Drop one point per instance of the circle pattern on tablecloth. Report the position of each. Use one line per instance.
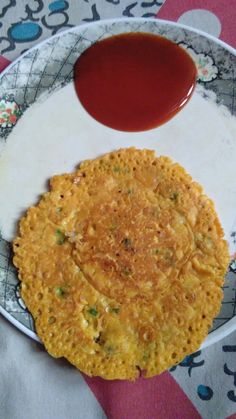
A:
(203, 20)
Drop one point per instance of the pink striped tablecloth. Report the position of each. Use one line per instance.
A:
(32, 384)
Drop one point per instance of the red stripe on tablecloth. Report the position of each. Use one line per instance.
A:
(159, 397)
(172, 10)
(3, 63)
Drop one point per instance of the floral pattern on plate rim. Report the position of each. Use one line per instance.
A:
(206, 69)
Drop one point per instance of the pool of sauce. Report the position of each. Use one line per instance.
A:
(134, 81)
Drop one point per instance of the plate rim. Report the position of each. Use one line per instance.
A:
(230, 325)
(20, 326)
(223, 44)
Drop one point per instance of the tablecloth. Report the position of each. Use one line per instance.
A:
(33, 385)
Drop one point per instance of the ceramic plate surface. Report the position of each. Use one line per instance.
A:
(44, 131)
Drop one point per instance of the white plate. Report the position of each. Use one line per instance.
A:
(54, 133)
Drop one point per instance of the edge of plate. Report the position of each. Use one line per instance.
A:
(230, 325)
(128, 19)
(19, 325)
(220, 333)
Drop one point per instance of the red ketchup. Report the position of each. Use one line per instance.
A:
(134, 81)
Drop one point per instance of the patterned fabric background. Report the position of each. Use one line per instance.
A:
(208, 377)
(25, 23)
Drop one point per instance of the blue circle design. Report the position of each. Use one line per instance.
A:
(23, 32)
(57, 5)
(186, 361)
(204, 392)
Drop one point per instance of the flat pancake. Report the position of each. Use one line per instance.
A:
(122, 265)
